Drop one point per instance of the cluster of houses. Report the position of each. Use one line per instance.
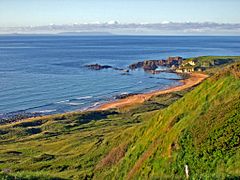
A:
(185, 66)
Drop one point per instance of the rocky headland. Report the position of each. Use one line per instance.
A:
(147, 65)
(154, 64)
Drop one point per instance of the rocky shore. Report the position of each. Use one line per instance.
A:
(17, 116)
(147, 65)
(154, 64)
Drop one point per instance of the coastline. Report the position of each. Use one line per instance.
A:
(194, 79)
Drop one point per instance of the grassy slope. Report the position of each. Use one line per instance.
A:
(208, 61)
(71, 145)
(62, 147)
(200, 129)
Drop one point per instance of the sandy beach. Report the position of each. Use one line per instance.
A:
(194, 79)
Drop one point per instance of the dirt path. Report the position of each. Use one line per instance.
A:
(195, 78)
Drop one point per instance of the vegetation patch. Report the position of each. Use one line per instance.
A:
(13, 152)
(113, 157)
(30, 123)
(43, 157)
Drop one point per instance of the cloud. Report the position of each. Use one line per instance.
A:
(164, 27)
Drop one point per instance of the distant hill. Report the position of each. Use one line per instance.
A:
(62, 33)
(198, 128)
(86, 33)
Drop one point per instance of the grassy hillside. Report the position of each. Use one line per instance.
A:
(198, 127)
(200, 130)
(72, 145)
(211, 61)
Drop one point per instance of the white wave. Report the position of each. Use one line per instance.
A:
(124, 93)
(84, 109)
(63, 101)
(95, 104)
(74, 104)
(46, 111)
(84, 97)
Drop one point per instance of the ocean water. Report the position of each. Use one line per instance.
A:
(46, 74)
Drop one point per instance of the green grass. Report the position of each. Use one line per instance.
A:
(69, 145)
(210, 61)
(204, 123)
(198, 127)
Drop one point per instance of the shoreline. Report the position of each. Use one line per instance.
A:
(194, 79)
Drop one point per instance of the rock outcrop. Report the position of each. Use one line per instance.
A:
(97, 66)
(153, 64)
(147, 65)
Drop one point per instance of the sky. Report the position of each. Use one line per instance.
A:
(20, 13)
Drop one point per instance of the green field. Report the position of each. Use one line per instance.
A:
(198, 127)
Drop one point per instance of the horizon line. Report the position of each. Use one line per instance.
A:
(130, 28)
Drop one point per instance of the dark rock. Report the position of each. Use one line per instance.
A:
(153, 64)
(146, 65)
(136, 65)
(174, 60)
(149, 65)
(118, 69)
(97, 66)
(125, 73)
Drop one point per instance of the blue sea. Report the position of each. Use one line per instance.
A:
(46, 74)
